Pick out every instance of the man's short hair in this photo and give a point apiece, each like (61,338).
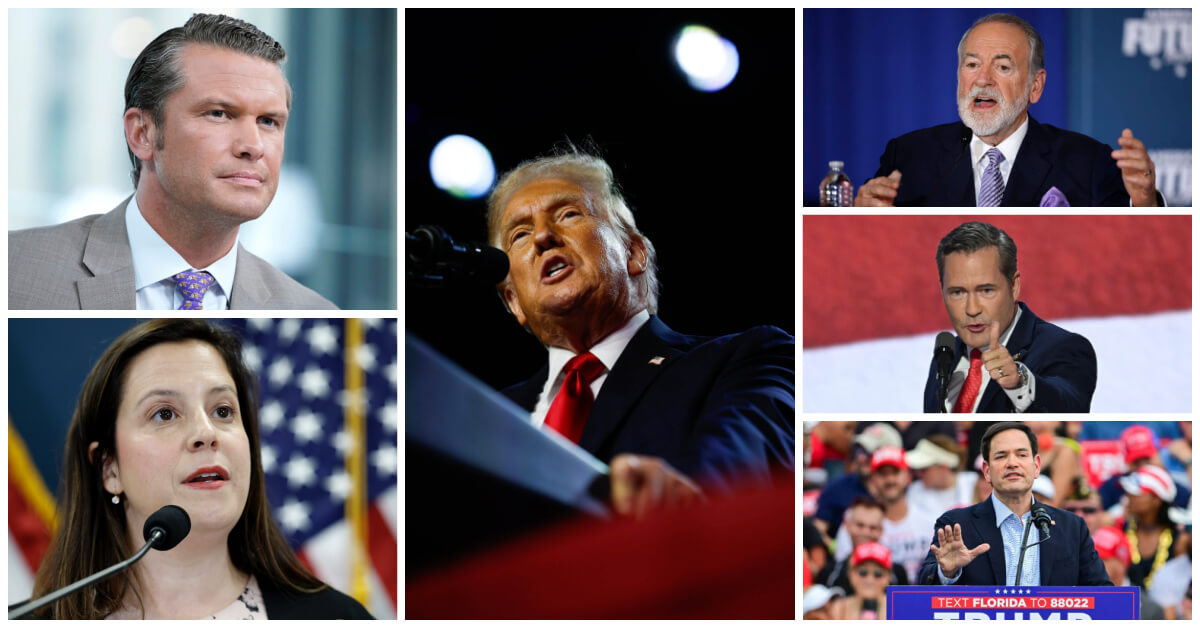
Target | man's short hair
(865,501)
(1037,52)
(157,72)
(985,445)
(974,236)
(594,175)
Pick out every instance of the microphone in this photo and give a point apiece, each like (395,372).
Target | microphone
(964,137)
(163,530)
(943,353)
(1039,517)
(437,259)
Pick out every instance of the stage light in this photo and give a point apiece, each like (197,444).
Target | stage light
(462,166)
(709,60)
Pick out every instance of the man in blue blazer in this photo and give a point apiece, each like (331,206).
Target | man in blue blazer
(672,414)
(1006,359)
(979,545)
(998,154)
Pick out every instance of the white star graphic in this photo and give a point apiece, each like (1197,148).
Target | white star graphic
(384,460)
(306,427)
(280,371)
(288,329)
(300,471)
(293,515)
(271,415)
(314,382)
(323,339)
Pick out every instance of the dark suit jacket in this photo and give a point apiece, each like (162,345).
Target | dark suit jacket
(1068,559)
(1063,365)
(714,408)
(328,603)
(1080,167)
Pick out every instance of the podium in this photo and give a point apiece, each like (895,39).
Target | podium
(1022,603)
(477,471)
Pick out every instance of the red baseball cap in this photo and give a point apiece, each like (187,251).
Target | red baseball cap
(888,455)
(1111,543)
(872,551)
(1138,442)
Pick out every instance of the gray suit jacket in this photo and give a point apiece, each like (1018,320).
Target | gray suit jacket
(86,264)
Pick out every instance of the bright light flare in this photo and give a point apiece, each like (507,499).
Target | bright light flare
(709,60)
(462,166)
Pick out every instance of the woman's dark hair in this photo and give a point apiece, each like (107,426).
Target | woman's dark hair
(986,444)
(91,532)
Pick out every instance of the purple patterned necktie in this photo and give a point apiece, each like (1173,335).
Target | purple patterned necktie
(193,285)
(991,189)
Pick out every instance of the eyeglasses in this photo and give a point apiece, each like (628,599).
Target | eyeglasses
(1087,510)
(866,573)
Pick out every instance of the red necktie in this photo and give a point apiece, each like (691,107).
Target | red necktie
(970,389)
(571,405)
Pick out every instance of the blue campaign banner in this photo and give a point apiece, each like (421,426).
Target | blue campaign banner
(1026,603)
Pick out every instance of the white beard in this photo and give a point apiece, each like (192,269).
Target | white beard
(986,123)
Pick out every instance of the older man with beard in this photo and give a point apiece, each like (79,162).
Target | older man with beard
(1014,160)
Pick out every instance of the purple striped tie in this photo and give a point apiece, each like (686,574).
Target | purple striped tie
(991,189)
(193,285)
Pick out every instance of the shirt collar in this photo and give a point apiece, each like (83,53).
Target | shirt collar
(1009,147)
(607,350)
(154,260)
(1002,511)
(1011,326)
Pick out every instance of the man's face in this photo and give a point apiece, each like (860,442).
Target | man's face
(564,258)
(1011,466)
(976,293)
(888,484)
(994,86)
(865,525)
(222,136)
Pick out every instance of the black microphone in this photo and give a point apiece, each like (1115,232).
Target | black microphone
(435,258)
(163,531)
(1041,518)
(943,353)
(965,138)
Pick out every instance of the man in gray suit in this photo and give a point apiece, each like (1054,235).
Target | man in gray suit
(206,110)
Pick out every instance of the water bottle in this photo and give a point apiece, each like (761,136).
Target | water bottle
(836,190)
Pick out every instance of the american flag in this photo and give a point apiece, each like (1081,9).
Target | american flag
(308,370)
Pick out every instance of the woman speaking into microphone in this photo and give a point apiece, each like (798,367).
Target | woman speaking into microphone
(169,415)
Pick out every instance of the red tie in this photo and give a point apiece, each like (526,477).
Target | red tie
(571,405)
(970,389)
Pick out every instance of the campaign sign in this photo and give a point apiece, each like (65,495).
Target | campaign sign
(995,602)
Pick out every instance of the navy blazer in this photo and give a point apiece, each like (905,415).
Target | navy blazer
(716,409)
(934,175)
(1063,365)
(1068,559)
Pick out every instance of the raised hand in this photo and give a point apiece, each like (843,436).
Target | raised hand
(999,363)
(951,553)
(1137,170)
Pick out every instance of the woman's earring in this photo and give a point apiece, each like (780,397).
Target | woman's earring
(116,499)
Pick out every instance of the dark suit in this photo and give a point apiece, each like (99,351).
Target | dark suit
(1080,167)
(714,408)
(1068,559)
(1063,365)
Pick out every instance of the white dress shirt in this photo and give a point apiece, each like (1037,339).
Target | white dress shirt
(607,350)
(155,263)
(1009,148)
(1021,396)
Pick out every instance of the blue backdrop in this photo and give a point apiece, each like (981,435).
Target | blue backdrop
(874,74)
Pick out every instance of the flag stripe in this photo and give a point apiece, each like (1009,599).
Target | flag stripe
(24,473)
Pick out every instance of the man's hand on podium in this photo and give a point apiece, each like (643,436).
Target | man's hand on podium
(643,484)
(951,553)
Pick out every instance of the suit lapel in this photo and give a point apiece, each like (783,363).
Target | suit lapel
(638,367)
(1030,170)
(985,526)
(249,291)
(107,256)
(959,189)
